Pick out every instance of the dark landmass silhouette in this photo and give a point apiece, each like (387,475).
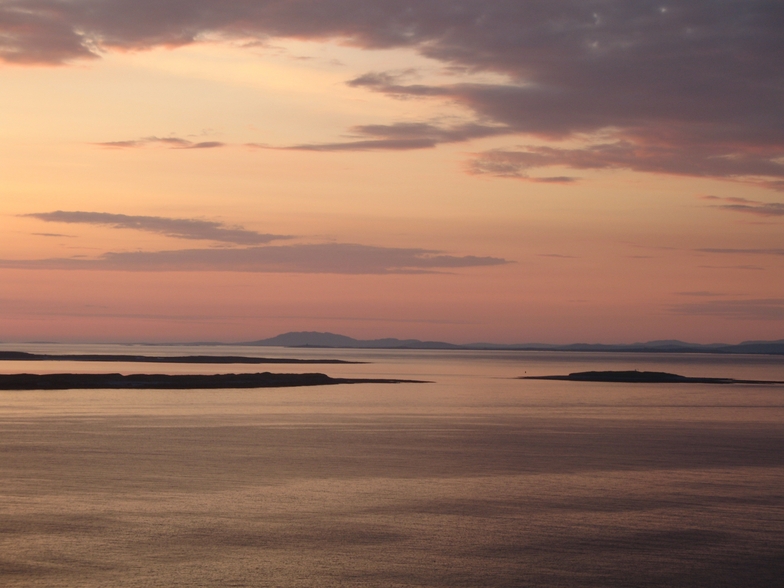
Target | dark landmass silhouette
(207,359)
(314,339)
(637,377)
(178,382)
(318,339)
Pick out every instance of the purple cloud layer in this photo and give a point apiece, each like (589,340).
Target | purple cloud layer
(328,258)
(691,87)
(637,155)
(747,206)
(170,142)
(766,309)
(332,258)
(182,228)
(772,251)
(402,137)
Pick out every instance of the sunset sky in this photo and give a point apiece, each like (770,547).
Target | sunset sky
(468,170)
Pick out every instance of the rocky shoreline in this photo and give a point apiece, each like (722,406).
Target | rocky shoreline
(206,359)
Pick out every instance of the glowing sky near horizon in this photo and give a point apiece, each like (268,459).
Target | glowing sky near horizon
(477,170)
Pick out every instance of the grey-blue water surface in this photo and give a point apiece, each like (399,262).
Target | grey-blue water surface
(477,479)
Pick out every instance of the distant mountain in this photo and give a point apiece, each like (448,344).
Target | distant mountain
(307,339)
(316,339)
(765,347)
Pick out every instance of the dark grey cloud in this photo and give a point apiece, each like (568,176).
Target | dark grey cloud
(182,228)
(747,206)
(330,258)
(757,309)
(171,142)
(691,87)
(42,33)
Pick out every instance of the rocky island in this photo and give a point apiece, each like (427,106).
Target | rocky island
(178,382)
(637,377)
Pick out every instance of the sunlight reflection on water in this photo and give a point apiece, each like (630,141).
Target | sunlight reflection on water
(477,479)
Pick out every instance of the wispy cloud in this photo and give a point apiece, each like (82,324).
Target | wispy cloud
(755,309)
(53,235)
(329,258)
(170,142)
(748,206)
(747,267)
(181,228)
(700,294)
(639,155)
(728,251)
(399,137)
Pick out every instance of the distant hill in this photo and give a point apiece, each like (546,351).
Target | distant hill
(332,340)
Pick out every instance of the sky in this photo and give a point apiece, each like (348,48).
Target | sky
(469,170)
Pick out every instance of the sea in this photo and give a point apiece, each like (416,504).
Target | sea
(476,478)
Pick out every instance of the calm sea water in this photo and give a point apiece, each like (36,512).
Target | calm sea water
(476,479)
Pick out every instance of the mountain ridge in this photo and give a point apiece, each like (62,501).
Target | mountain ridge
(319,339)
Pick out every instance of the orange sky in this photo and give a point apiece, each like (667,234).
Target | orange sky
(418,174)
